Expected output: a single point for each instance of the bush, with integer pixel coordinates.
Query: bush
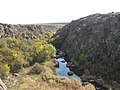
(19, 53)
(57, 41)
(81, 59)
(11, 54)
(37, 69)
(43, 53)
(4, 70)
(15, 59)
(12, 43)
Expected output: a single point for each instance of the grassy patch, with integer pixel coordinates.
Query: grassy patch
(43, 81)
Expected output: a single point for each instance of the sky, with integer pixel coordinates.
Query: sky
(51, 11)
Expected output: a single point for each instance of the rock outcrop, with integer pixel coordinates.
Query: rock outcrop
(2, 85)
(95, 36)
(93, 43)
(28, 31)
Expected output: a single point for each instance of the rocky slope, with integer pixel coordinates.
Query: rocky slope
(28, 31)
(93, 44)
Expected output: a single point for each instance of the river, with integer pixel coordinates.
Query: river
(62, 70)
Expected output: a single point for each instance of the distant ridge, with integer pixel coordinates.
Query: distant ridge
(26, 30)
(58, 23)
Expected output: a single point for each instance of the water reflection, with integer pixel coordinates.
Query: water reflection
(62, 70)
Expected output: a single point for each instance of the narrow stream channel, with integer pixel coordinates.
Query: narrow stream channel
(62, 70)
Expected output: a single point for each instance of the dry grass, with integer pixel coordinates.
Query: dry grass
(44, 81)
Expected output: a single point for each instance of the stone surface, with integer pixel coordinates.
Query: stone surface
(93, 43)
(2, 85)
(89, 87)
(96, 36)
(29, 31)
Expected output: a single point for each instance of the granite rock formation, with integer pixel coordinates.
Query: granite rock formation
(93, 43)
(26, 30)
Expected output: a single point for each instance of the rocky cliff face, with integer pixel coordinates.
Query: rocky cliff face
(94, 43)
(95, 36)
(27, 31)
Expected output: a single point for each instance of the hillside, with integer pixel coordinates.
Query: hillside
(29, 31)
(29, 64)
(92, 43)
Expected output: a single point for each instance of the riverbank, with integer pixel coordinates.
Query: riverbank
(46, 80)
(85, 79)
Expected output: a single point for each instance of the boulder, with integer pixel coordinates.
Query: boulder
(70, 64)
(2, 85)
(70, 73)
(63, 61)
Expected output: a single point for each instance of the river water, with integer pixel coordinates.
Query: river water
(62, 70)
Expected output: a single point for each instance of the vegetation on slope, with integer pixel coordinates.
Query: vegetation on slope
(45, 80)
(16, 53)
(28, 65)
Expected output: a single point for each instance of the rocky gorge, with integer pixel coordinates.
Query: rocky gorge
(28, 31)
(92, 43)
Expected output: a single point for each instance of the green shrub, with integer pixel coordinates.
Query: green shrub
(43, 53)
(4, 70)
(81, 59)
(15, 59)
(57, 41)
(18, 53)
